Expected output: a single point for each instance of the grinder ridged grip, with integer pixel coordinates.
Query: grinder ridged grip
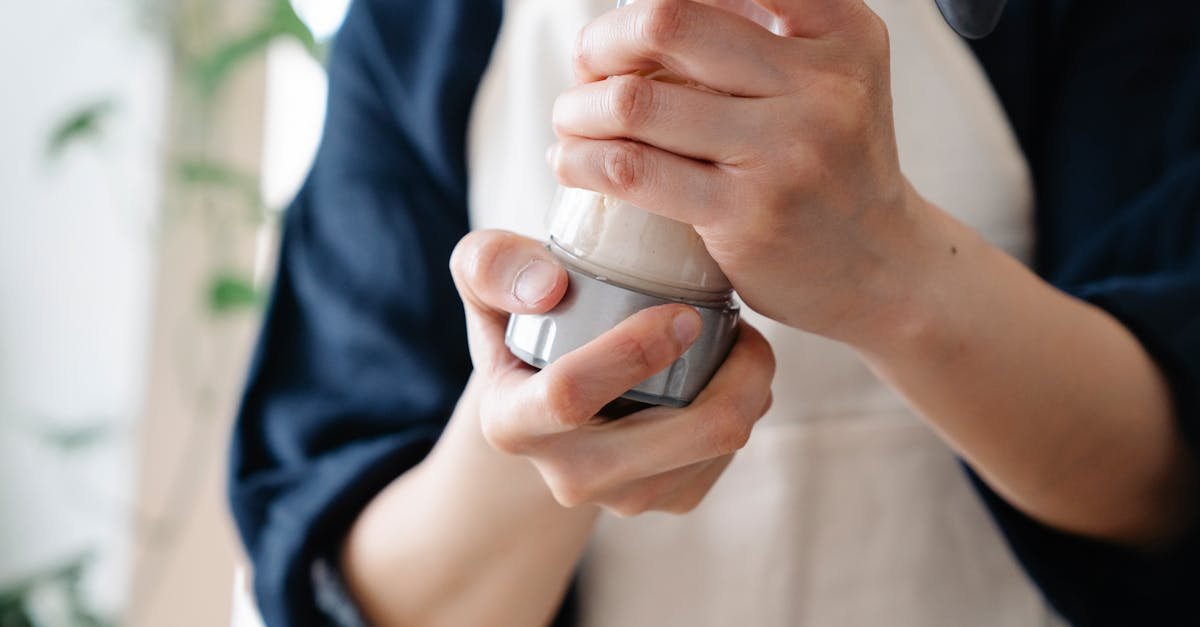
(593, 306)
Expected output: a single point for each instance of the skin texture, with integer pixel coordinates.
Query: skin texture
(780, 150)
(1052, 401)
(491, 523)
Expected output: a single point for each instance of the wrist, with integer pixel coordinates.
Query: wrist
(465, 513)
(910, 294)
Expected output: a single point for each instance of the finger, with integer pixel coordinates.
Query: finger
(689, 495)
(569, 392)
(750, 10)
(598, 462)
(651, 493)
(678, 119)
(698, 43)
(683, 189)
(497, 273)
(654, 441)
(816, 18)
(749, 367)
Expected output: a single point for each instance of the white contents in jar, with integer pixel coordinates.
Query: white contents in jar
(619, 242)
(622, 243)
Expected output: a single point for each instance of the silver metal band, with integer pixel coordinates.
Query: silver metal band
(592, 306)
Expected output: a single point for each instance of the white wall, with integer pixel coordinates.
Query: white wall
(76, 270)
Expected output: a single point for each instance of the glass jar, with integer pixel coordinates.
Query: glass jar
(624, 244)
(621, 259)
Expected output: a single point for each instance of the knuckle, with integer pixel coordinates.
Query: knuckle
(625, 166)
(568, 491)
(564, 163)
(850, 122)
(866, 83)
(631, 101)
(870, 29)
(729, 426)
(662, 23)
(560, 399)
(579, 52)
(501, 438)
(767, 355)
(770, 402)
(805, 167)
(636, 504)
(877, 33)
(559, 167)
(685, 505)
(634, 355)
(753, 188)
(847, 110)
(763, 234)
(863, 97)
(497, 427)
(478, 251)
(626, 508)
(765, 359)
(464, 252)
(559, 119)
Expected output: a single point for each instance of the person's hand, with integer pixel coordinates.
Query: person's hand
(780, 150)
(655, 459)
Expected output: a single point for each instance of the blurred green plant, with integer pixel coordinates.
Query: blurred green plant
(201, 173)
(50, 599)
(227, 291)
(54, 596)
(230, 291)
(207, 72)
(85, 123)
(75, 438)
(212, 71)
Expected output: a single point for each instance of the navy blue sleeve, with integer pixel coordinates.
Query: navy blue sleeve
(363, 352)
(1105, 96)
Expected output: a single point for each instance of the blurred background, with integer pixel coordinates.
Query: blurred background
(147, 151)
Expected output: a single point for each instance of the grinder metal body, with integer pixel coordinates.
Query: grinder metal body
(595, 304)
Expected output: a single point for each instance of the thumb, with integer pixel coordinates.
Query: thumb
(498, 273)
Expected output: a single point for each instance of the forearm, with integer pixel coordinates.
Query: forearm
(1054, 402)
(469, 537)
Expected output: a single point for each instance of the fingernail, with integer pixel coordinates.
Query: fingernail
(687, 326)
(535, 282)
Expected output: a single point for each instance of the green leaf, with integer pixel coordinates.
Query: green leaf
(14, 597)
(69, 439)
(14, 614)
(281, 20)
(286, 22)
(85, 123)
(202, 171)
(229, 292)
(199, 171)
(211, 72)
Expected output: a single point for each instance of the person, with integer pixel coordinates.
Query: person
(871, 194)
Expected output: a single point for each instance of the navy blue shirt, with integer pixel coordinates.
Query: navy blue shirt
(363, 353)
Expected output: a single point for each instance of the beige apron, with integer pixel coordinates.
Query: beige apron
(844, 509)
